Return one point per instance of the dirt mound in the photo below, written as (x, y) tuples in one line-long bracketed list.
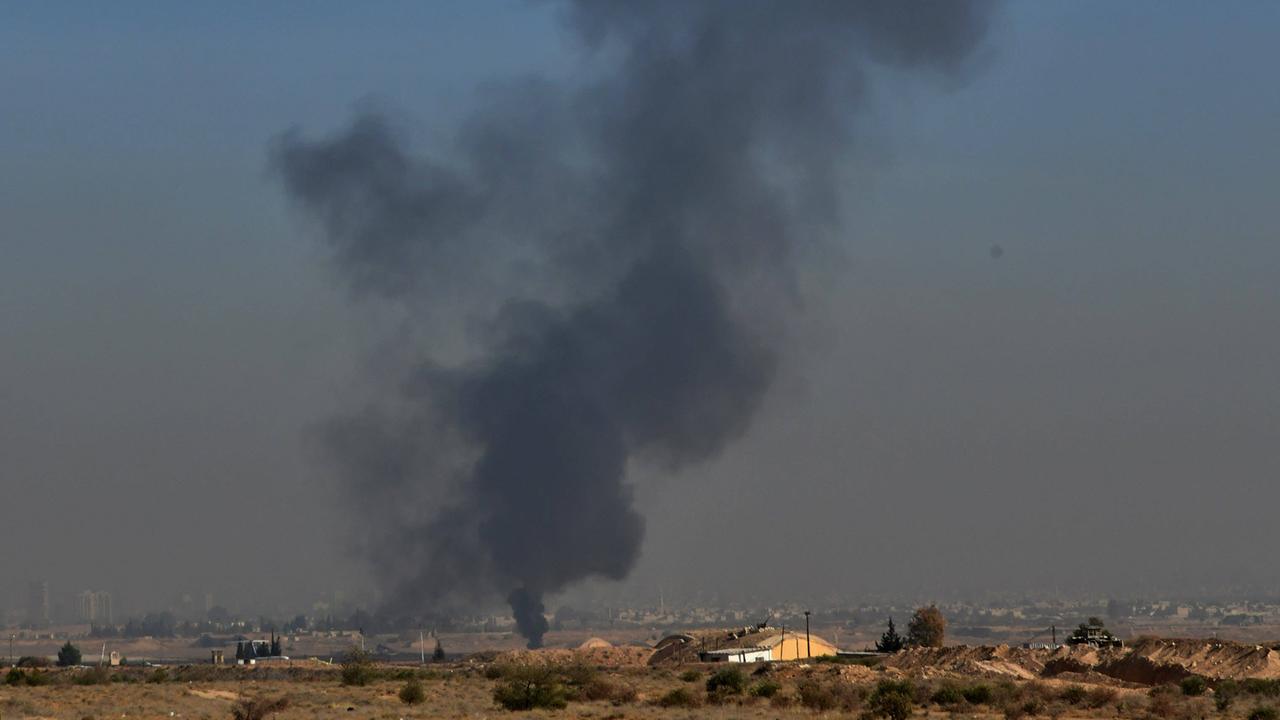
[(1000, 661), (594, 643), (1215, 659), (1139, 669), (608, 656)]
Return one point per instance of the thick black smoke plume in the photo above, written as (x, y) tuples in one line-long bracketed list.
[(630, 241)]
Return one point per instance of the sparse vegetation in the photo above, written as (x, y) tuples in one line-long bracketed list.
[(680, 697), (1074, 694), (890, 641), (690, 676), (1194, 686), (357, 670), (729, 681), (979, 694), (1264, 712), (527, 688), (947, 694), (68, 655), (412, 693), (257, 708), (927, 627), (892, 699), (765, 689)]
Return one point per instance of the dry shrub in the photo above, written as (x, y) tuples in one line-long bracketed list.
[(1162, 700), (765, 689), (412, 693), (680, 697), (528, 687), (257, 708), (1073, 694), (599, 688), (1264, 712), (1029, 707), (831, 695), (1100, 697)]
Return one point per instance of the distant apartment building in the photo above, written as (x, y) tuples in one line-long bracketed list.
[(38, 604), (94, 607)]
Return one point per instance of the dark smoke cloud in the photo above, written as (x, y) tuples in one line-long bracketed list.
[(632, 242)]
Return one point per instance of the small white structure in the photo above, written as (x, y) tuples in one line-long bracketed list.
[(742, 655)]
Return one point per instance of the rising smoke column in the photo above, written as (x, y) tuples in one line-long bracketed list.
[(629, 244)]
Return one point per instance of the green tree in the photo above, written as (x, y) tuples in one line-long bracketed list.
[(927, 627), (69, 655), (890, 641)]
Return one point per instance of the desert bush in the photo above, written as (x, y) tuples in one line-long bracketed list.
[(160, 675), (1073, 694), (15, 677), (1100, 697), (690, 676), (1260, 686), (1160, 701), (1006, 692), (37, 678), (1264, 712), (412, 692), (892, 699), (599, 688), (727, 681), (765, 689), (1026, 708), (257, 708), (817, 696), (33, 661), (493, 672), (1194, 685), (948, 694), (979, 694), (528, 687), (357, 668), (1224, 694), (679, 697), (96, 676), (576, 674), (782, 701)]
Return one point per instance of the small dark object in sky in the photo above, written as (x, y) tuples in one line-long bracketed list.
[(996, 252)]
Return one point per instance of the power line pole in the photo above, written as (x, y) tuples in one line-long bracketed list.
[(808, 650)]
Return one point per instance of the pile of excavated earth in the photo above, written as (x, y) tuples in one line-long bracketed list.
[(1147, 662)]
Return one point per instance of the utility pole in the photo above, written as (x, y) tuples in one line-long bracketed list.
[(422, 647), (10, 649), (808, 650)]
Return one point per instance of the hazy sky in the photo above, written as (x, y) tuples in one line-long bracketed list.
[(1103, 396)]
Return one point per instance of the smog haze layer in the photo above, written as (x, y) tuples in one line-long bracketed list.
[(1036, 346)]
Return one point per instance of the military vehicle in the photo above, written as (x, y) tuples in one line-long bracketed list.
[(1095, 634)]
